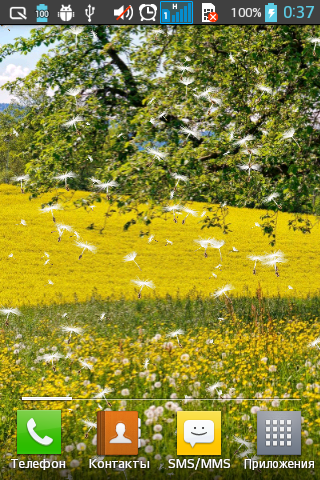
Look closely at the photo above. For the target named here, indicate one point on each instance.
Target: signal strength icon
(119, 12)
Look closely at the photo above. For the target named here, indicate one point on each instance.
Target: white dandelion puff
(50, 208)
(10, 311)
(273, 259)
(73, 92)
(213, 388)
(85, 246)
(64, 178)
(131, 258)
(187, 81)
(316, 42)
(90, 425)
(232, 60)
(217, 244)
(21, 178)
(289, 134)
(156, 154)
(315, 343)
(271, 198)
(143, 283)
(103, 392)
(173, 209)
(189, 131)
(204, 243)
(222, 291)
(51, 357)
(265, 89)
(106, 186)
(73, 121)
(84, 364)
(176, 333)
(244, 140)
(255, 259)
(71, 329)
(76, 31)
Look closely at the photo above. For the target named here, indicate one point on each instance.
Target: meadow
(255, 344)
(175, 269)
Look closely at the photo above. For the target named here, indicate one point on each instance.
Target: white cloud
(12, 72)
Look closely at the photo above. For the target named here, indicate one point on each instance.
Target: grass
(117, 346)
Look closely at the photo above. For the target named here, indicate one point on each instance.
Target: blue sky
(16, 65)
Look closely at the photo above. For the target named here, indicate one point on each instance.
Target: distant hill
(3, 106)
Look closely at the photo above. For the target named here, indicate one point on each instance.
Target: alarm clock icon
(149, 12)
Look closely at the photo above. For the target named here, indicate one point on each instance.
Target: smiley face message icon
(199, 433)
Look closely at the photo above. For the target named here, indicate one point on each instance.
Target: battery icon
(271, 13)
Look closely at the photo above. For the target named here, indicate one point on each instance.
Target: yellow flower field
(172, 268)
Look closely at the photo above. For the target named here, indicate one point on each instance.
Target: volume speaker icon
(119, 12)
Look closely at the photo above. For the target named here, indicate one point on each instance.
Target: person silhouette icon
(120, 438)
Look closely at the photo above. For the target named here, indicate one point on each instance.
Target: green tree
(142, 87)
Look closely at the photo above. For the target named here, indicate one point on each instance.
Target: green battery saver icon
(271, 13)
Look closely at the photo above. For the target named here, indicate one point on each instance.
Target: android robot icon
(66, 13)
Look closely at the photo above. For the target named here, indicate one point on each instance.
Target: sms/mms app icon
(199, 433)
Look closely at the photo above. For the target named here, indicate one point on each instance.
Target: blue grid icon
(173, 13)
(42, 13)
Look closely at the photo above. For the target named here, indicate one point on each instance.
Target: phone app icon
(199, 433)
(39, 432)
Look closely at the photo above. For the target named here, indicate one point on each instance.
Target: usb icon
(271, 13)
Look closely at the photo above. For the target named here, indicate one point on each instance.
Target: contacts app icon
(199, 433)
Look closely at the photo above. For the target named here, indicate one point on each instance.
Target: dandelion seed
(71, 330)
(176, 333)
(218, 266)
(222, 291)
(289, 134)
(217, 244)
(204, 243)
(103, 392)
(213, 388)
(232, 60)
(94, 35)
(315, 343)
(290, 288)
(10, 255)
(90, 425)
(213, 275)
(23, 222)
(8, 311)
(51, 357)
(174, 209)
(250, 166)
(106, 186)
(188, 132)
(21, 178)
(73, 92)
(273, 259)
(178, 177)
(50, 208)
(64, 178)
(143, 283)
(61, 228)
(189, 211)
(152, 238)
(271, 198)
(234, 249)
(187, 81)
(84, 364)
(255, 259)
(50, 282)
(156, 154)
(146, 363)
(73, 121)
(244, 140)
(168, 242)
(95, 180)
(76, 31)
(316, 42)
(85, 246)
(131, 258)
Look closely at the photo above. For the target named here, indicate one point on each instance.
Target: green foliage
(134, 99)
